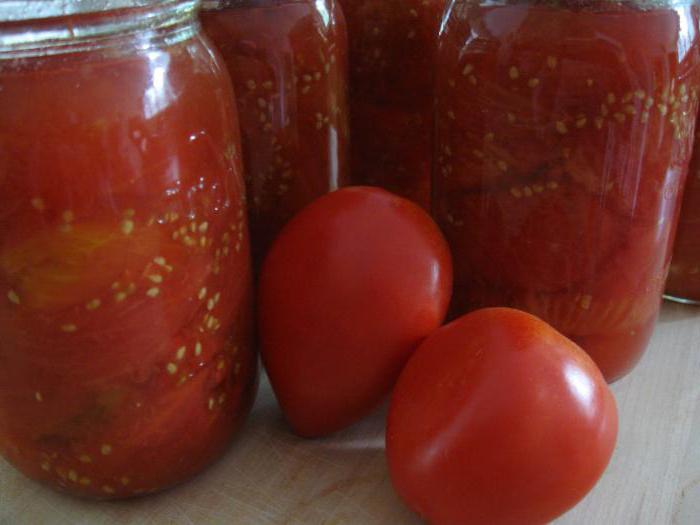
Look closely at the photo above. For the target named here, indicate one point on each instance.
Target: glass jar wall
(288, 61)
(392, 48)
(683, 284)
(125, 281)
(564, 132)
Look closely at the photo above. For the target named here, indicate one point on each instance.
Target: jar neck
(208, 5)
(144, 24)
(581, 5)
(212, 5)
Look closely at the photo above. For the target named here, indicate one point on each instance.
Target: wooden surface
(270, 477)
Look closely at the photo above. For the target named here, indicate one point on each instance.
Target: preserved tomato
(125, 284)
(683, 282)
(564, 133)
(392, 48)
(288, 62)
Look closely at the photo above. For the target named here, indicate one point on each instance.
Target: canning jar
(126, 361)
(564, 132)
(288, 61)
(683, 284)
(392, 48)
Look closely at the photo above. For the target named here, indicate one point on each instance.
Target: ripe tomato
(350, 287)
(498, 418)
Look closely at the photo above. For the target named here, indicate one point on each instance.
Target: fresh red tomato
(349, 289)
(498, 419)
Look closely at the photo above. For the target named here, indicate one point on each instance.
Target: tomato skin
(350, 287)
(498, 419)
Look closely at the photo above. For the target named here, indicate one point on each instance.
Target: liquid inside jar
(125, 282)
(564, 134)
(683, 284)
(288, 61)
(392, 49)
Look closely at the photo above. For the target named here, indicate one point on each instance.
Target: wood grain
(270, 477)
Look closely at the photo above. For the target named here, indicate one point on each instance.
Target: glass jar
(392, 47)
(288, 61)
(564, 132)
(683, 284)
(125, 279)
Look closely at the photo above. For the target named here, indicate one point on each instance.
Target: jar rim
(24, 11)
(87, 27)
(583, 5)
(208, 5)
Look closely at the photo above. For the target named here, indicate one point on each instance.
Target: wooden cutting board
(270, 477)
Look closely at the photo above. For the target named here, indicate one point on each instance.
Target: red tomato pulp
(684, 275)
(563, 140)
(392, 47)
(126, 360)
(288, 62)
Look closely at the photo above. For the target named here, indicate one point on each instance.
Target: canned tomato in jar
(564, 133)
(288, 62)
(125, 282)
(683, 284)
(392, 49)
